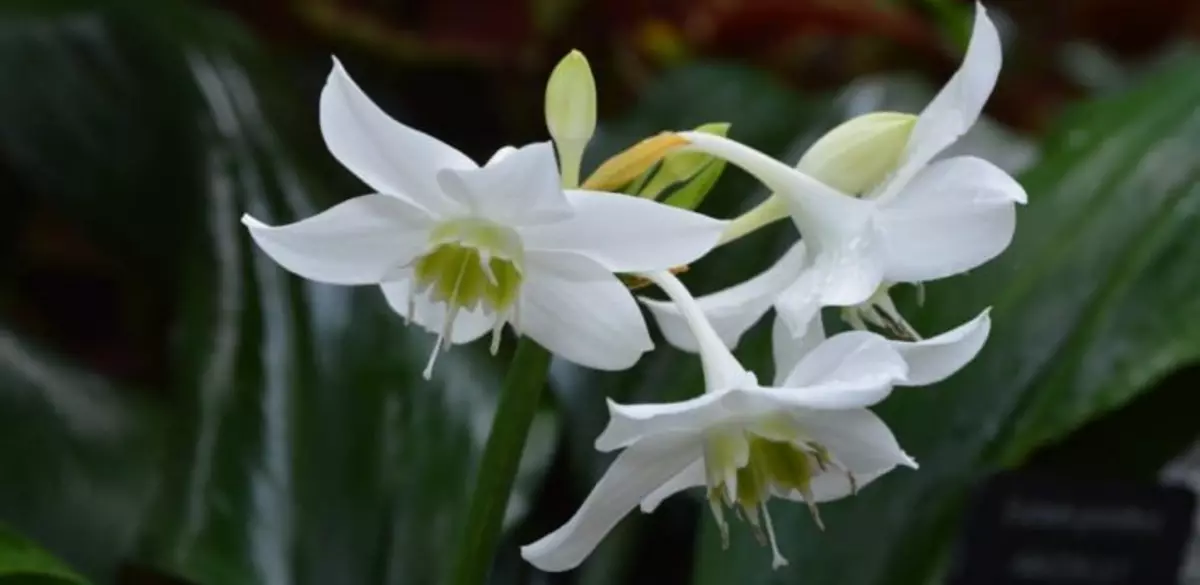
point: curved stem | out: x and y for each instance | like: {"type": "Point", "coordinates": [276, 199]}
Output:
{"type": "Point", "coordinates": [769, 211]}
{"type": "Point", "coordinates": [497, 470]}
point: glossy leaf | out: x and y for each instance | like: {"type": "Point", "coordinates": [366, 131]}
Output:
{"type": "Point", "coordinates": [1094, 302]}
{"type": "Point", "coordinates": [302, 445]}
{"type": "Point", "coordinates": [21, 559]}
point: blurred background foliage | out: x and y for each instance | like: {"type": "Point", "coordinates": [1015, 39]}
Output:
{"type": "Point", "coordinates": [177, 409]}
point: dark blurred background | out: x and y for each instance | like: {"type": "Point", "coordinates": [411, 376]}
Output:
{"type": "Point", "coordinates": [174, 408]}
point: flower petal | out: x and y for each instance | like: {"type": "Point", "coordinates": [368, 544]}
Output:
{"type": "Point", "coordinates": [956, 107]}
{"type": "Point", "coordinates": [469, 325]}
{"type": "Point", "coordinates": [385, 154]}
{"type": "Point", "coordinates": [787, 350]}
{"type": "Point", "coordinates": [692, 476]}
{"type": "Point", "coordinates": [857, 439]}
{"type": "Point", "coordinates": [834, 485]}
{"type": "Point", "coordinates": [517, 187]}
{"type": "Point", "coordinates": [578, 310]}
{"type": "Point", "coordinates": [954, 216]}
{"type": "Point", "coordinates": [935, 359]}
{"type": "Point", "coordinates": [853, 368]}
{"type": "Point", "coordinates": [359, 241]}
{"type": "Point", "coordinates": [840, 276]}
{"type": "Point", "coordinates": [626, 233]}
{"type": "Point", "coordinates": [734, 310]}
{"type": "Point", "coordinates": [628, 424]}
{"type": "Point", "coordinates": [635, 474]}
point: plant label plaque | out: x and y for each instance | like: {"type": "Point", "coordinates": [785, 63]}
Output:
{"type": "Point", "coordinates": [1028, 529]}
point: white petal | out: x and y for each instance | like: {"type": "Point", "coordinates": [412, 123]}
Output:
{"type": "Point", "coordinates": [469, 325]}
{"type": "Point", "coordinates": [631, 423]}
{"type": "Point", "coordinates": [834, 485]}
{"type": "Point", "coordinates": [956, 107]}
{"type": "Point", "coordinates": [734, 310]}
{"type": "Point", "coordinates": [857, 438]}
{"type": "Point", "coordinates": [359, 241]}
{"type": "Point", "coordinates": [387, 155]}
{"type": "Point", "coordinates": [854, 368]}
{"type": "Point", "coordinates": [634, 475]}
{"type": "Point", "coordinates": [935, 359]}
{"type": "Point", "coordinates": [628, 234]}
{"type": "Point", "coordinates": [841, 276]}
{"type": "Point", "coordinates": [517, 187]}
{"type": "Point", "coordinates": [578, 310]}
{"type": "Point", "coordinates": [499, 155]}
{"type": "Point", "coordinates": [954, 216]}
{"type": "Point", "coordinates": [692, 476]}
{"type": "Point", "coordinates": [787, 350]}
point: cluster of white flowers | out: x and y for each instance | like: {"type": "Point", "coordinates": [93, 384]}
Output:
{"type": "Point", "coordinates": [462, 250]}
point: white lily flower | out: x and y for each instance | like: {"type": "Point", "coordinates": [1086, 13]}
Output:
{"type": "Point", "coordinates": [810, 439]}
{"type": "Point", "coordinates": [734, 310]}
{"type": "Point", "coordinates": [462, 249]}
{"type": "Point", "coordinates": [923, 222]}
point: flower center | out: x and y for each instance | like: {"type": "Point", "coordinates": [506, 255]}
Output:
{"type": "Point", "coordinates": [472, 264]}
{"type": "Point", "coordinates": [772, 467]}
{"type": "Point", "coordinates": [880, 312]}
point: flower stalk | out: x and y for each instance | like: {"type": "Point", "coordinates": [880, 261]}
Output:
{"type": "Point", "coordinates": [519, 398]}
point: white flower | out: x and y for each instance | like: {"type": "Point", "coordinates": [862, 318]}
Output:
{"type": "Point", "coordinates": [734, 310]}
{"type": "Point", "coordinates": [462, 250]}
{"type": "Point", "coordinates": [924, 221]}
{"type": "Point", "coordinates": [809, 439]}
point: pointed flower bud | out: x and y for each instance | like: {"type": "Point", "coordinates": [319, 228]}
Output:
{"type": "Point", "coordinates": [861, 152]}
{"type": "Point", "coordinates": [571, 112]}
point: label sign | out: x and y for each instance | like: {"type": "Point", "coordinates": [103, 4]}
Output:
{"type": "Point", "coordinates": [1024, 529]}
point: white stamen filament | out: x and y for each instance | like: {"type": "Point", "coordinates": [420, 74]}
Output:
{"type": "Point", "coordinates": [443, 340]}
{"type": "Point", "coordinates": [777, 559]}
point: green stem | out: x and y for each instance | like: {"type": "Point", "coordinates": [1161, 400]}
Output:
{"type": "Point", "coordinates": [767, 212]}
{"type": "Point", "coordinates": [510, 425]}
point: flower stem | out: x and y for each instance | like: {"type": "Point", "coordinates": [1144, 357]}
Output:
{"type": "Point", "coordinates": [767, 212]}
{"type": "Point", "coordinates": [494, 480]}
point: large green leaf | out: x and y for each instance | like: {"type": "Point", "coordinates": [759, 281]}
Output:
{"type": "Point", "coordinates": [1094, 302]}
{"type": "Point", "coordinates": [21, 559]}
{"type": "Point", "coordinates": [303, 444]}
{"type": "Point", "coordinates": [78, 457]}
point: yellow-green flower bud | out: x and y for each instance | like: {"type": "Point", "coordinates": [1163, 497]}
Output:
{"type": "Point", "coordinates": [571, 112]}
{"type": "Point", "coordinates": [860, 153]}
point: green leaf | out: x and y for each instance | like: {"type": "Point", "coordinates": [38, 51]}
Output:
{"type": "Point", "coordinates": [692, 193]}
{"type": "Point", "coordinates": [1094, 302]}
{"type": "Point", "coordinates": [302, 444]}
{"type": "Point", "coordinates": [22, 559]}
{"type": "Point", "coordinates": [79, 458]}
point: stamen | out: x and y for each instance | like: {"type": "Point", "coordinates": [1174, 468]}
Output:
{"type": "Point", "coordinates": [497, 331]}
{"type": "Point", "coordinates": [777, 559]}
{"type": "Point", "coordinates": [485, 264]}
{"type": "Point", "coordinates": [437, 347]}
{"type": "Point", "coordinates": [812, 507]}
{"type": "Point", "coordinates": [755, 526]}
{"type": "Point", "coordinates": [413, 290]}
{"type": "Point", "coordinates": [895, 321]}
{"type": "Point", "coordinates": [719, 513]}
{"type": "Point", "coordinates": [443, 340]}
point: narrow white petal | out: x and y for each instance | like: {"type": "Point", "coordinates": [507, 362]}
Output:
{"type": "Point", "coordinates": [692, 476]}
{"type": "Point", "coordinates": [390, 157]}
{"type": "Point", "coordinates": [499, 155]}
{"type": "Point", "coordinates": [631, 423]}
{"type": "Point", "coordinates": [734, 310]}
{"type": "Point", "coordinates": [853, 368]}
{"type": "Point", "coordinates": [469, 325]}
{"type": "Point", "coordinates": [359, 241]}
{"type": "Point", "coordinates": [626, 233]}
{"type": "Point", "coordinates": [840, 276]}
{"type": "Point", "coordinates": [517, 187]}
{"type": "Point", "coordinates": [956, 107]}
{"type": "Point", "coordinates": [857, 438]}
{"type": "Point", "coordinates": [937, 358]}
{"type": "Point", "coordinates": [635, 474]}
{"type": "Point", "coordinates": [835, 485]}
{"type": "Point", "coordinates": [954, 216]}
{"type": "Point", "coordinates": [578, 310]}
{"type": "Point", "coordinates": [787, 350]}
